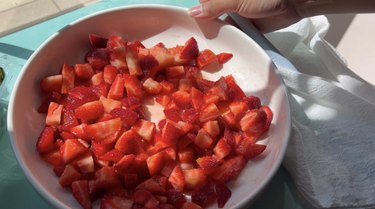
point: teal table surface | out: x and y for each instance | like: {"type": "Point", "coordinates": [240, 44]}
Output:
{"type": "Point", "coordinates": [15, 191]}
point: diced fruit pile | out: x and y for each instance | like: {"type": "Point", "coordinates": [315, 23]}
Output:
{"type": "Point", "coordinates": [102, 145]}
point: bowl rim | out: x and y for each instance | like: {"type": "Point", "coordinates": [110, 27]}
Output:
{"type": "Point", "coordinates": [58, 203]}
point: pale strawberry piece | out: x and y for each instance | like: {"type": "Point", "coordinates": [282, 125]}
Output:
{"type": "Point", "coordinates": [68, 78]}
{"type": "Point", "coordinates": [109, 74]}
{"type": "Point", "coordinates": [230, 119]}
{"type": "Point", "coordinates": [186, 155]}
{"type": "Point", "coordinates": [100, 130]}
{"type": "Point", "coordinates": [224, 57]}
{"type": "Point", "coordinates": [52, 83]}
{"type": "Point", "coordinates": [203, 140]}
{"type": "Point", "coordinates": [79, 132]}
{"type": "Point", "coordinates": [175, 71]}
{"type": "Point", "coordinates": [84, 71]}
{"type": "Point", "coordinates": [205, 58]}
{"type": "Point", "coordinates": [168, 87]}
{"type": "Point", "coordinates": [71, 149]}
{"type": "Point", "coordinates": [110, 104]}
{"type": "Point", "coordinates": [151, 86]}
{"type": "Point", "coordinates": [196, 98]}
{"type": "Point", "coordinates": [238, 108]}
{"type": "Point", "coordinates": [132, 60]}
{"type": "Point", "coordinates": [46, 140]}
{"type": "Point", "coordinates": [163, 99]}
{"type": "Point", "coordinates": [190, 115]}
{"type": "Point", "coordinates": [86, 163]}
{"type": "Point", "coordinates": [53, 117]}
{"type": "Point", "coordinates": [169, 135]}
{"type": "Point", "coordinates": [97, 79]}
{"type": "Point", "coordinates": [182, 99]}
{"type": "Point", "coordinates": [255, 121]}
{"type": "Point", "coordinates": [212, 128]}
{"type": "Point", "coordinates": [208, 163]}
{"type": "Point", "coordinates": [116, 42]}
{"type": "Point", "coordinates": [177, 178]}
{"type": "Point", "coordinates": [129, 142]}
{"type": "Point", "coordinates": [117, 88]}
{"type": "Point", "coordinates": [194, 178]}
{"type": "Point", "coordinates": [89, 111]}
{"type": "Point", "coordinates": [229, 169]}
{"type": "Point", "coordinates": [146, 129]}
{"type": "Point", "coordinates": [80, 190]}
{"type": "Point", "coordinates": [116, 202]}
{"type": "Point", "coordinates": [184, 127]}
{"type": "Point", "coordinates": [162, 55]}
{"type": "Point", "coordinates": [209, 112]}
{"type": "Point", "coordinates": [69, 175]}
{"type": "Point", "coordinates": [222, 149]}
{"type": "Point", "coordinates": [155, 163]}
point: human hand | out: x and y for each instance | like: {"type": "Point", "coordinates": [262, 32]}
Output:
{"type": "Point", "coordinates": [266, 15]}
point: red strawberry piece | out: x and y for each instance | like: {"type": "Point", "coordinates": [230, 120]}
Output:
{"type": "Point", "coordinates": [234, 91]}
{"type": "Point", "coordinates": [223, 194]}
{"type": "Point", "coordinates": [53, 158]}
{"type": "Point", "coordinates": [46, 140]}
{"type": "Point", "coordinates": [113, 155]}
{"type": "Point", "coordinates": [110, 104]}
{"type": "Point", "coordinates": [211, 98]}
{"type": "Point", "coordinates": [253, 102]}
{"type": "Point", "coordinates": [186, 155]}
{"type": "Point", "coordinates": [185, 84]}
{"type": "Point", "coordinates": [100, 149]}
{"type": "Point", "coordinates": [80, 190]}
{"type": "Point", "coordinates": [141, 196]}
{"type": "Point", "coordinates": [209, 112]}
{"type": "Point", "coordinates": [203, 140]}
{"type": "Point", "coordinates": [238, 108]}
{"type": "Point", "coordinates": [69, 175]}
{"type": "Point", "coordinates": [116, 202]}
{"type": "Point", "coordinates": [54, 114]}
{"type": "Point", "coordinates": [100, 130]}
{"type": "Point", "coordinates": [190, 115]}
{"type": "Point", "coordinates": [80, 95]}
{"type": "Point", "coordinates": [126, 164]}
{"type": "Point", "coordinates": [148, 64]}
{"type": "Point", "coordinates": [229, 169]}
{"type": "Point", "coordinates": [190, 205]}
{"type": "Point", "coordinates": [166, 206]}
{"type": "Point", "coordinates": [68, 118]}
{"type": "Point", "coordinates": [168, 87]}
{"type": "Point", "coordinates": [212, 128]}
{"type": "Point", "coordinates": [222, 149]}
{"type": "Point", "coordinates": [205, 195]}
{"type": "Point", "coordinates": [116, 42]}
{"type": "Point", "coordinates": [203, 84]}
{"type": "Point", "coordinates": [97, 58]}
{"type": "Point", "coordinates": [230, 119]}
{"type": "Point", "coordinates": [190, 50]}
{"type": "Point", "coordinates": [106, 178]}
{"type": "Point", "coordinates": [128, 116]}
{"type": "Point", "coordinates": [170, 135]}
{"type": "Point", "coordinates": [86, 163]}
{"type": "Point", "coordinates": [254, 121]}
{"type": "Point", "coordinates": [151, 86]}
{"type": "Point", "coordinates": [182, 99]}
{"type": "Point", "coordinates": [220, 89]}
{"type": "Point", "coordinates": [175, 71]}
{"type": "Point", "coordinates": [177, 178]}
{"type": "Point", "coordinates": [268, 112]}
{"type": "Point", "coordinates": [79, 132]}
{"type": "Point", "coordinates": [224, 57]}
{"type": "Point", "coordinates": [153, 185]}
{"type": "Point", "coordinates": [146, 129]}
{"type": "Point", "coordinates": [72, 149]}
{"type": "Point", "coordinates": [68, 78]}
{"type": "Point", "coordinates": [205, 58]}
{"type": "Point", "coordinates": [247, 148]}
{"type": "Point", "coordinates": [132, 60]}
{"type": "Point", "coordinates": [116, 90]}
{"type": "Point", "coordinates": [173, 114]}
{"type": "Point", "coordinates": [162, 55]}
{"type": "Point", "coordinates": [89, 111]}
{"type": "Point", "coordinates": [109, 73]}
{"type": "Point", "coordinates": [196, 98]}
{"type": "Point", "coordinates": [155, 163]}
{"type": "Point", "coordinates": [84, 71]}
{"type": "Point", "coordinates": [208, 163]}
{"type": "Point", "coordinates": [110, 139]}
{"type": "Point", "coordinates": [131, 180]}
{"type": "Point", "coordinates": [52, 83]}
{"type": "Point", "coordinates": [194, 178]}
{"type": "Point", "coordinates": [50, 97]}
{"type": "Point", "coordinates": [101, 89]}
{"type": "Point", "coordinates": [176, 198]}
{"type": "Point", "coordinates": [97, 41]}
{"type": "Point", "coordinates": [133, 86]}
{"type": "Point", "coordinates": [129, 142]}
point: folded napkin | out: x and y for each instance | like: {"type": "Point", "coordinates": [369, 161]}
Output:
{"type": "Point", "coordinates": [331, 154]}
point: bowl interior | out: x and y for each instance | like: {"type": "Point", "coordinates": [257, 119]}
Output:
{"type": "Point", "coordinates": [250, 66]}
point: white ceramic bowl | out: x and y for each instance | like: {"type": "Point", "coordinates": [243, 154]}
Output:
{"type": "Point", "coordinates": [250, 66]}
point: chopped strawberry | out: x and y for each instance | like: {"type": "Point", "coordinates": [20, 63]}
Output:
{"type": "Point", "coordinates": [68, 77]}
{"type": "Point", "coordinates": [133, 86]}
{"type": "Point", "coordinates": [153, 185]}
{"type": "Point", "coordinates": [177, 178]}
{"type": "Point", "coordinates": [203, 140]}
{"type": "Point", "coordinates": [89, 111]}
{"type": "Point", "coordinates": [205, 195]}
{"type": "Point", "coordinates": [128, 116]}
{"type": "Point", "coordinates": [69, 175]}
{"type": "Point", "coordinates": [46, 140]}
{"type": "Point", "coordinates": [113, 155]}
{"type": "Point", "coordinates": [169, 135]}
{"type": "Point", "coordinates": [84, 71]}
{"type": "Point", "coordinates": [86, 163]}
{"type": "Point", "coordinates": [190, 115]}
{"type": "Point", "coordinates": [117, 88]}
{"type": "Point", "coordinates": [186, 155]}
{"type": "Point", "coordinates": [212, 128]}
{"type": "Point", "coordinates": [132, 60]}
{"type": "Point", "coordinates": [196, 98]}
{"type": "Point", "coordinates": [234, 91]}
{"type": "Point", "coordinates": [151, 86]}
{"type": "Point", "coordinates": [238, 108]}
{"type": "Point", "coordinates": [168, 87]}
{"type": "Point", "coordinates": [175, 71]}
{"type": "Point", "coordinates": [71, 149]}
{"type": "Point", "coordinates": [146, 129]}
{"type": "Point", "coordinates": [182, 99]}
{"type": "Point", "coordinates": [173, 114]}
{"type": "Point", "coordinates": [209, 112]}
{"type": "Point", "coordinates": [222, 149]}
{"type": "Point", "coordinates": [106, 178]}
{"type": "Point", "coordinates": [97, 79]}
{"type": "Point", "coordinates": [53, 158]}
{"type": "Point", "coordinates": [208, 163]}
{"type": "Point", "coordinates": [268, 112]}
{"type": "Point", "coordinates": [249, 149]}
{"type": "Point", "coordinates": [223, 194]}
{"type": "Point", "coordinates": [224, 57]}
{"type": "Point", "coordinates": [50, 97]}
{"type": "Point", "coordinates": [54, 114]}
{"type": "Point", "coordinates": [254, 121]}
{"type": "Point", "coordinates": [116, 202]}
{"type": "Point", "coordinates": [205, 58]}
{"type": "Point", "coordinates": [100, 130]}
{"type": "Point", "coordinates": [190, 50]}
{"type": "Point", "coordinates": [97, 41]}
{"type": "Point", "coordinates": [129, 142]}
{"type": "Point", "coordinates": [162, 56]}
{"type": "Point", "coordinates": [80, 190]}
{"type": "Point", "coordinates": [253, 102]}
{"type": "Point", "coordinates": [110, 104]}
{"type": "Point", "coordinates": [194, 178]}
{"type": "Point", "coordinates": [155, 163]}
{"type": "Point", "coordinates": [52, 83]}
{"type": "Point", "coordinates": [190, 205]}
{"type": "Point", "coordinates": [229, 169]}
{"type": "Point", "coordinates": [97, 58]}
{"type": "Point", "coordinates": [126, 164]}
{"type": "Point", "coordinates": [109, 74]}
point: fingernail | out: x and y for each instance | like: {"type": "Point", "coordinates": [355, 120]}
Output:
{"type": "Point", "coordinates": [196, 11]}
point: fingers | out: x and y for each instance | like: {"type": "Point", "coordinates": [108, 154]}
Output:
{"type": "Point", "coordinates": [213, 8]}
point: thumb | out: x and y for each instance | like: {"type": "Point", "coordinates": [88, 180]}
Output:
{"type": "Point", "coordinates": [213, 8]}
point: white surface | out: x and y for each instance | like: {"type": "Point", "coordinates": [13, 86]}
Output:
{"type": "Point", "coordinates": [161, 24]}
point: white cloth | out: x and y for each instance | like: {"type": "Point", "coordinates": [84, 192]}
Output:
{"type": "Point", "coordinates": [331, 154]}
